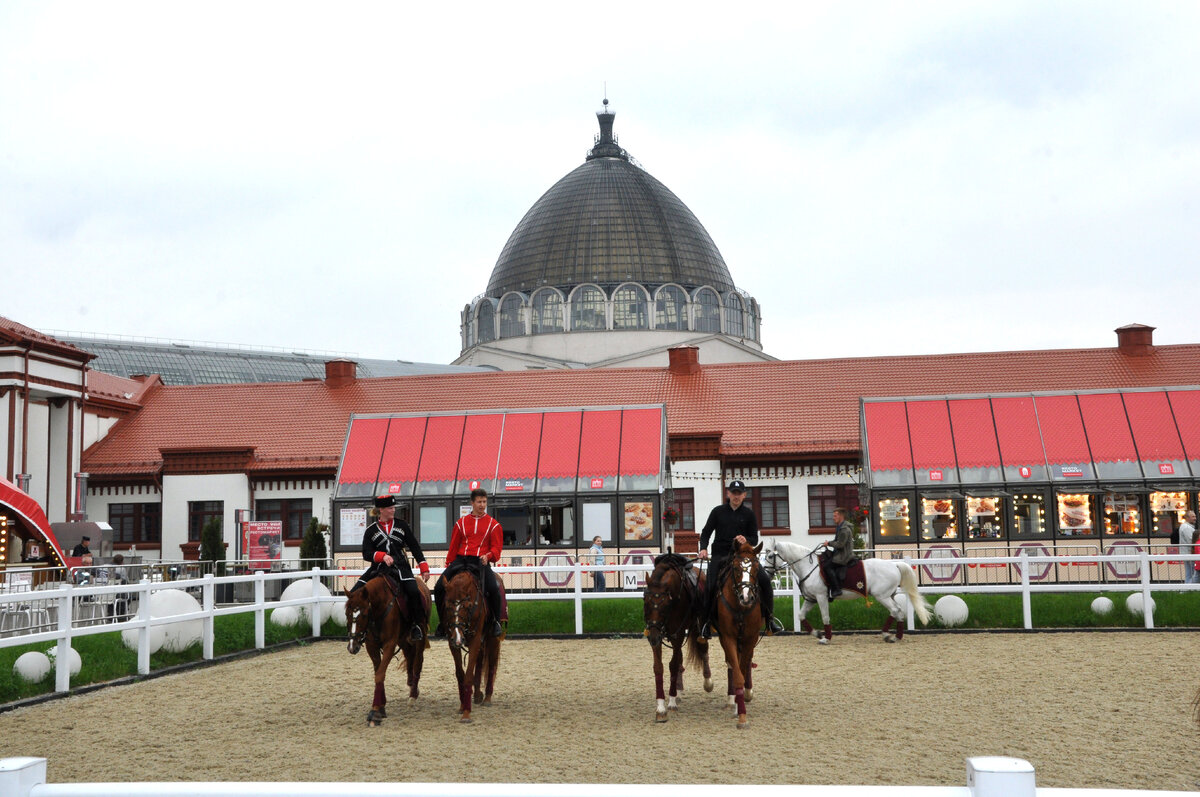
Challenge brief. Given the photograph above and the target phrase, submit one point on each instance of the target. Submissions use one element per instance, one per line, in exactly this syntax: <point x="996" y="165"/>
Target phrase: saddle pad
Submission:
<point x="855" y="578"/>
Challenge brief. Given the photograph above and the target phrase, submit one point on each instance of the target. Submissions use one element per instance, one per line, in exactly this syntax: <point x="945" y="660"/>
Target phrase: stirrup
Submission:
<point x="773" y="625"/>
<point x="706" y="631"/>
<point x="497" y="630"/>
<point x="416" y="635"/>
<point x="834" y="594"/>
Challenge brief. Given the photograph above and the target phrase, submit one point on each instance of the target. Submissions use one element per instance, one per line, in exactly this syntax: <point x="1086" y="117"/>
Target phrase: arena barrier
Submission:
<point x="987" y="776"/>
<point x="74" y="611"/>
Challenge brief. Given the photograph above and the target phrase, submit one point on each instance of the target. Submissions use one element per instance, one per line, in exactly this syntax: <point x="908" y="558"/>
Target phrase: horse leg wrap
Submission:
<point x="739" y="697"/>
<point x="379" y="700"/>
<point x="888" y="623"/>
<point x="658" y="687"/>
<point x="899" y="629"/>
<point x="806" y="626"/>
<point x="828" y="631"/>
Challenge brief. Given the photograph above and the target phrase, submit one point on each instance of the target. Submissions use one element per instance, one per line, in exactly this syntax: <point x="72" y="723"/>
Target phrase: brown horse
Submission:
<point x="377" y="617"/>
<point x="738" y="618"/>
<point x="671" y="606"/>
<point x="466" y="622"/>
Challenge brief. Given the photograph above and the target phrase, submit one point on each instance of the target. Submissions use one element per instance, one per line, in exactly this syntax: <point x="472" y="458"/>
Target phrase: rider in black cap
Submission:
<point x="733" y="523"/>
<point x="383" y="546"/>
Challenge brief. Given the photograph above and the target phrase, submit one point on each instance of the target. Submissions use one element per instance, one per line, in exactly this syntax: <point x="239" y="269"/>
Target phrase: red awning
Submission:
<point x="887" y="432"/>
<point x="401" y="455"/>
<point x="974" y="433"/>
<point x="559" y="457"/>
<point x="443" y="445"/>
<point x="480" y="450"/>
<point x="30" y="512"/>
<point x="522" y="441"/>
<point x="641" y="442"/>
<point x="1019" y="438"/>
<point x="364" y="446"/>
<point x="1109" y="437"/>
<point x="1063" y="436"/>
<point x="932" y="444"/>
<point x="1186" y="406"/>
<point x="599" y="448"/>
<point x="1156" y="440"/>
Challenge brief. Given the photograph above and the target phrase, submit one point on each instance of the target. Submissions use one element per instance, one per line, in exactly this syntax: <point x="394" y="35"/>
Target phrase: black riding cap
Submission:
<point x="384" y="500"/>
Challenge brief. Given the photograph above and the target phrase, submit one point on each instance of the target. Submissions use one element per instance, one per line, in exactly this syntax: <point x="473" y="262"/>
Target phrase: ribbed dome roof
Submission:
<point x="608" y="222"/>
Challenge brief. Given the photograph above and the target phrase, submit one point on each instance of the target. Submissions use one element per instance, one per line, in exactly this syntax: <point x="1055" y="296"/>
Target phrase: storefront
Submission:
<point x="1102" y="472"/>
<point x="556" y="478"/>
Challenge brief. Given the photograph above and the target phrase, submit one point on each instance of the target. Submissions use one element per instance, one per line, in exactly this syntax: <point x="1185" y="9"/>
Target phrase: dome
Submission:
<point x="608" y="222"/>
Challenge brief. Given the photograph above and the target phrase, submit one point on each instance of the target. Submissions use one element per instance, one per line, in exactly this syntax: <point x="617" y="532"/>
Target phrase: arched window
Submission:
<point x="511" y="325"/>
<point x="486" y="321"/>
<point x="753" y="319"/>
<point x="733" y="316"/>
<point x="630" y="308"/>
<point x="670" y="309"/>
<point x="587" y="309"/>
<point x="547" y="312"/>
<point x="469" y="324"/>
<point x="708" y="311"/>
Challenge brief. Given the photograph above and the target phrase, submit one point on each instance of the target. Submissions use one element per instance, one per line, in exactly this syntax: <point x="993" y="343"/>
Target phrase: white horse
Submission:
<point x="882" y="579"/>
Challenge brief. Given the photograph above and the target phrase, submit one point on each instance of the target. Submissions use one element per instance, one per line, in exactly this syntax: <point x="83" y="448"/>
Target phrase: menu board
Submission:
<point x="639" y="520"/>
<point x="352" y="526"/>
<point x="1074" y="514"/>
<point x="893" y="509"/>
<point x="1168" y="502"/>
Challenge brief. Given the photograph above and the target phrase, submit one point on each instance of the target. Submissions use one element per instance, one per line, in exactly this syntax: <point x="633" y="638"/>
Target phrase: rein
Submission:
<point x="792" y="565"/>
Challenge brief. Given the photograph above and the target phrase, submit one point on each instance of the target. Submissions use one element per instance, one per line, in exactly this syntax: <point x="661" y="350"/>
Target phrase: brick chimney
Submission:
<point x="1135" y="340"/>
<point x="684" y="360"/>
<point x="339" y="373"/>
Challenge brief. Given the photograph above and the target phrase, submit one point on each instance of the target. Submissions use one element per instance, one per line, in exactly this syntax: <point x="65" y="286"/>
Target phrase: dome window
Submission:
<point x="486" y="321"/>
<point x="547" y="312"/>
<point x="708" y="311"/>
<point x="670" y="309"/>
<point x="733" y="316"/>
<point x="587" y="309"/>
<point x="630" y="308"/>
<point x="511" y="323"/>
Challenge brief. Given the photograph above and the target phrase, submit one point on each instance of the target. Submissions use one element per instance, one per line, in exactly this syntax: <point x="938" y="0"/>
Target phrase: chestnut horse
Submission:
<point x="738" y="618"/>
<point x="376" y="616"/>
<point x="466" y="624"/>
<point x="671" y="605"/>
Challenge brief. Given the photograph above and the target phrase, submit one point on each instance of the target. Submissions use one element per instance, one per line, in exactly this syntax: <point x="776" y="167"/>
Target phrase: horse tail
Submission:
<point x="697" y="648"/>
<point x="908" y="583"/>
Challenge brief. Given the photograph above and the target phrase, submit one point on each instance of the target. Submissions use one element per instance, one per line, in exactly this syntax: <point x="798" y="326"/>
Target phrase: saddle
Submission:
<point x="690" y="576"/>
<point x="854" y="577"/>
<point x="476" y="571"/>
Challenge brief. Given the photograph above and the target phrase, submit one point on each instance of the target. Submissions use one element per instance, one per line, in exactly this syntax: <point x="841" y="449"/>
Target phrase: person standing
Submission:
<point x="82" y="548"/>
<point x="730" y="525"/>
<point x="597" y="554"/>
<point x="477" y="539"/>
<point x="1187" y="541"/>
<point x="840" y="553"/>
<point x="384" y="544"/>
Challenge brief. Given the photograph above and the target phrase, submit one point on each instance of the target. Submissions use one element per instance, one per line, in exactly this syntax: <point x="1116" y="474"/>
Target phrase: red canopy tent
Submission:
<point x="28" y="510"/>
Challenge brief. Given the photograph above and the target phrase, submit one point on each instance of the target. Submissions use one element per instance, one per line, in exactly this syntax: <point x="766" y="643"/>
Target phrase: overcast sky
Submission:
<point x="885" y="178"/>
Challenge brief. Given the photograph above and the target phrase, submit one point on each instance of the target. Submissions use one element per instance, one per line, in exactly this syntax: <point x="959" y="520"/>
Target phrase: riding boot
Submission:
<point x="768" y="607"/>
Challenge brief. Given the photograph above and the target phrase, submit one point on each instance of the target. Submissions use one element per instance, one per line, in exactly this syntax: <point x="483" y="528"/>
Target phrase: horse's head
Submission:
<point x="772" y="560"/>
<point x="662" y="602"/>
<point x="743" y="574"/>
<point x="358" y="607"/>
<point x="464" y="610"/>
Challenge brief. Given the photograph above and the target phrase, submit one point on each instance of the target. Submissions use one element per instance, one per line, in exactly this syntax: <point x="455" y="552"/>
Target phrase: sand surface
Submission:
<point x="1086" y="709"/>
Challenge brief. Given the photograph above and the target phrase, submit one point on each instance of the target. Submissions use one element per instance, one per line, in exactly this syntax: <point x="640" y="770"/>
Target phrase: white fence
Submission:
<point x="71" y="611"/>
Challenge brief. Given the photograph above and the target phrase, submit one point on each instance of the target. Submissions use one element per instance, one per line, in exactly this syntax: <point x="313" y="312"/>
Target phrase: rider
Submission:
<point x="840" y="553"/>
<point x="734" y="524"/>
<point x="477" y="538"/>
<point x="383" y="546"/>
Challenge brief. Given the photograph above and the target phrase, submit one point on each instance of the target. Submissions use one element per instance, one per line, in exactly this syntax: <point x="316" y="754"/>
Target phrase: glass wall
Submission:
<point x="1075" y="515"/>
<point x="1029" y="515"/>
<point x="893" y="514"/>
<point x="938" y="519"/>
<point x="1122" y="514"/>
<point x="985" y="518"/>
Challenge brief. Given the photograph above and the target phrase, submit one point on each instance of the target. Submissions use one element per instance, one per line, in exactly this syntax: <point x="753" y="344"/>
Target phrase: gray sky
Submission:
<point x="886" y="178"/>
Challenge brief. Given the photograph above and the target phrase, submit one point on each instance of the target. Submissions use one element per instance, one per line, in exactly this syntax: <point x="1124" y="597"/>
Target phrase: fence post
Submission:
<point x="1147" y="608"/>
<point x="315" y="612"/>
<point x="18" y="776"/>
<point x="260" y="594"/>
<point x="1026" y="598"/>
<point x="62" y="661"/>
<point x="578" y="597"/>
<point x="143" y="651"/>
<point x="206" y="592"/>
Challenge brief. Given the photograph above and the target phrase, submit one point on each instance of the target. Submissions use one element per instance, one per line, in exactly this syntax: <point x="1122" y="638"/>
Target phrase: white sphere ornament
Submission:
<point x="1134" y="604"/>
<point x="32" y="666"/>
<point x="302" y="588"/>
<point x="339" y="612"/>
<point x="951" y="610"/>
<point x="285" y="616"/>
<point x="158" y="635"/>
<point x="173" y="637"/>
<point x="75" y="662"/>
<point x="1102" y="605"/>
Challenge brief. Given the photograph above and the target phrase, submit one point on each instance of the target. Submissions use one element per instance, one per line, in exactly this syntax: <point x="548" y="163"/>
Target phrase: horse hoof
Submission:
<point x="749" y="695"/>
<point x="412" y="701"/>
<point x="478" y="699"/>
<point x="708" y="684"/>
<point x="742" y="723"/>
<point x="822" y="640"/>
<point x="487" y="701"/>
<point x="467" y="720"/>
<point x="889" y="638"/>
<point x="660" y="717"/>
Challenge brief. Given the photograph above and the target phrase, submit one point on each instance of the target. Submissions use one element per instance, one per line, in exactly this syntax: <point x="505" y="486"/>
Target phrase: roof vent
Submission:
<point x="339" y="373"/>
<point x="1135" y="340"/>
<point x="684" y="359"/>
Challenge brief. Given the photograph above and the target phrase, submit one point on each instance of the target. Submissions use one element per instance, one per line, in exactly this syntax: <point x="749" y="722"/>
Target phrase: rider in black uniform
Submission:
<point x="383" y="546"/>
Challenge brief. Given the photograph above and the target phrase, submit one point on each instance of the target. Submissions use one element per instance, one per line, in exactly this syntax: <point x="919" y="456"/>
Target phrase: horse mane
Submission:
<point x="792" y="551"/>
<point x="670" y="561"/>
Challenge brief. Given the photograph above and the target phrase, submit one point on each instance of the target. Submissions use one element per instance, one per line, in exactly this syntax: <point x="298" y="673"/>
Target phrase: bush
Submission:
<point x="212" y="545"/>
<point x="313" y="544"/>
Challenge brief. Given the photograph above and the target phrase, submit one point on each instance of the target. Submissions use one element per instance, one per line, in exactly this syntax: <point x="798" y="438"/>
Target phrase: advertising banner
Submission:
<point x="264" y="543"/>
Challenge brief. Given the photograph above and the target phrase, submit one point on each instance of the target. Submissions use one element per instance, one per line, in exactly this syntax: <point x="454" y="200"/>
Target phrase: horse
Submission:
<point x="671" y="607"/>
<point x="466" y="624"/>
<point x="738" y="618"/>
<point x="881" y="579"/>
<point x="377" y="616"/>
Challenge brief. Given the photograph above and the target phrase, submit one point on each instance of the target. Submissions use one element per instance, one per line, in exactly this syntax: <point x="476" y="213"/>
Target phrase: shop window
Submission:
<point x="556" y="525"/>
<point x="293" y="513"/>
<point x="1075" y="515"/>
<point x="517" y="522"/>
<point x="200" y="512"/>
<point x="894" y="525"/>
<point x="770" y="505"/>
<point x="135" y="524"/>
<point x="684" y="504"/>
<point x="938" y="519"/>
<point x="433" y="524"/>
<point x="638" y="521"/>
<point x="597" y="520"/>
<point x="985" y="518"/>
<point x="1122" y="514"/>
<point x="1167" y="512"/>
<point x="1029" y="515"/>
<point x="824" y="498"/>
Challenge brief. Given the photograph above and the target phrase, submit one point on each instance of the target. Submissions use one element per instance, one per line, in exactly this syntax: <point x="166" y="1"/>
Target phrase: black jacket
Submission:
<point x="374" y="540"/>
<point x="723" y="524"/>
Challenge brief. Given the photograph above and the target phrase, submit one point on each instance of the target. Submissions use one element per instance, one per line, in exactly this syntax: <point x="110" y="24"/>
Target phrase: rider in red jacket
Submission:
<point x="477" y="539"/>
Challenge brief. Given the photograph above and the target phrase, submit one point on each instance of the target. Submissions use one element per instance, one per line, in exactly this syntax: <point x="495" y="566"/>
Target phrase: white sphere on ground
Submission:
<point x="76" y="662"/>
<point x="1134" y="604"/>
<point x="179" y="636"/>
<point x="1102" y="605"/>
<point x="951" y="610"/>
<point x="339" y="612"/>
<point x="285" y="616"/>
<point x="158" y="635"/>
<point x="302" y="588"/>
<point x="32" y="666"/>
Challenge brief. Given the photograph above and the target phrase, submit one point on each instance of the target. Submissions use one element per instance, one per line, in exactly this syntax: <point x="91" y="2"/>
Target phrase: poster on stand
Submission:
<point x="352" y="526"/>
<point x="264" y="543"/>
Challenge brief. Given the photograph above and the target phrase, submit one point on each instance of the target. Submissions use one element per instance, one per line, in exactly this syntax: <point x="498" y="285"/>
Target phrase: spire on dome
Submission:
<point x="606" y="143"/>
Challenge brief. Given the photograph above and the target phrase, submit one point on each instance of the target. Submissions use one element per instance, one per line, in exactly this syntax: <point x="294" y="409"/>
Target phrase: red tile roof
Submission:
<point x="793" y="409"/>
<point x="12" y="333"/>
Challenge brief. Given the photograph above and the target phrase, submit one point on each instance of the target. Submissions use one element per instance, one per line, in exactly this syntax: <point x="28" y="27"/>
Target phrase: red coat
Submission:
<point x="475" y="536"/>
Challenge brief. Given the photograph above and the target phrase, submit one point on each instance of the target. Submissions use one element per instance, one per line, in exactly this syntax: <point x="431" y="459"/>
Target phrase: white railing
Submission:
<point x="67" y="624"/>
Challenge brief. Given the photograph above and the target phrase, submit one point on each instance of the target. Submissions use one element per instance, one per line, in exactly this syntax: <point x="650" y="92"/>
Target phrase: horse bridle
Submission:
<point x="753" y="582"/>
<point x="465" y="624"/>
<point x="361" y="636"/>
